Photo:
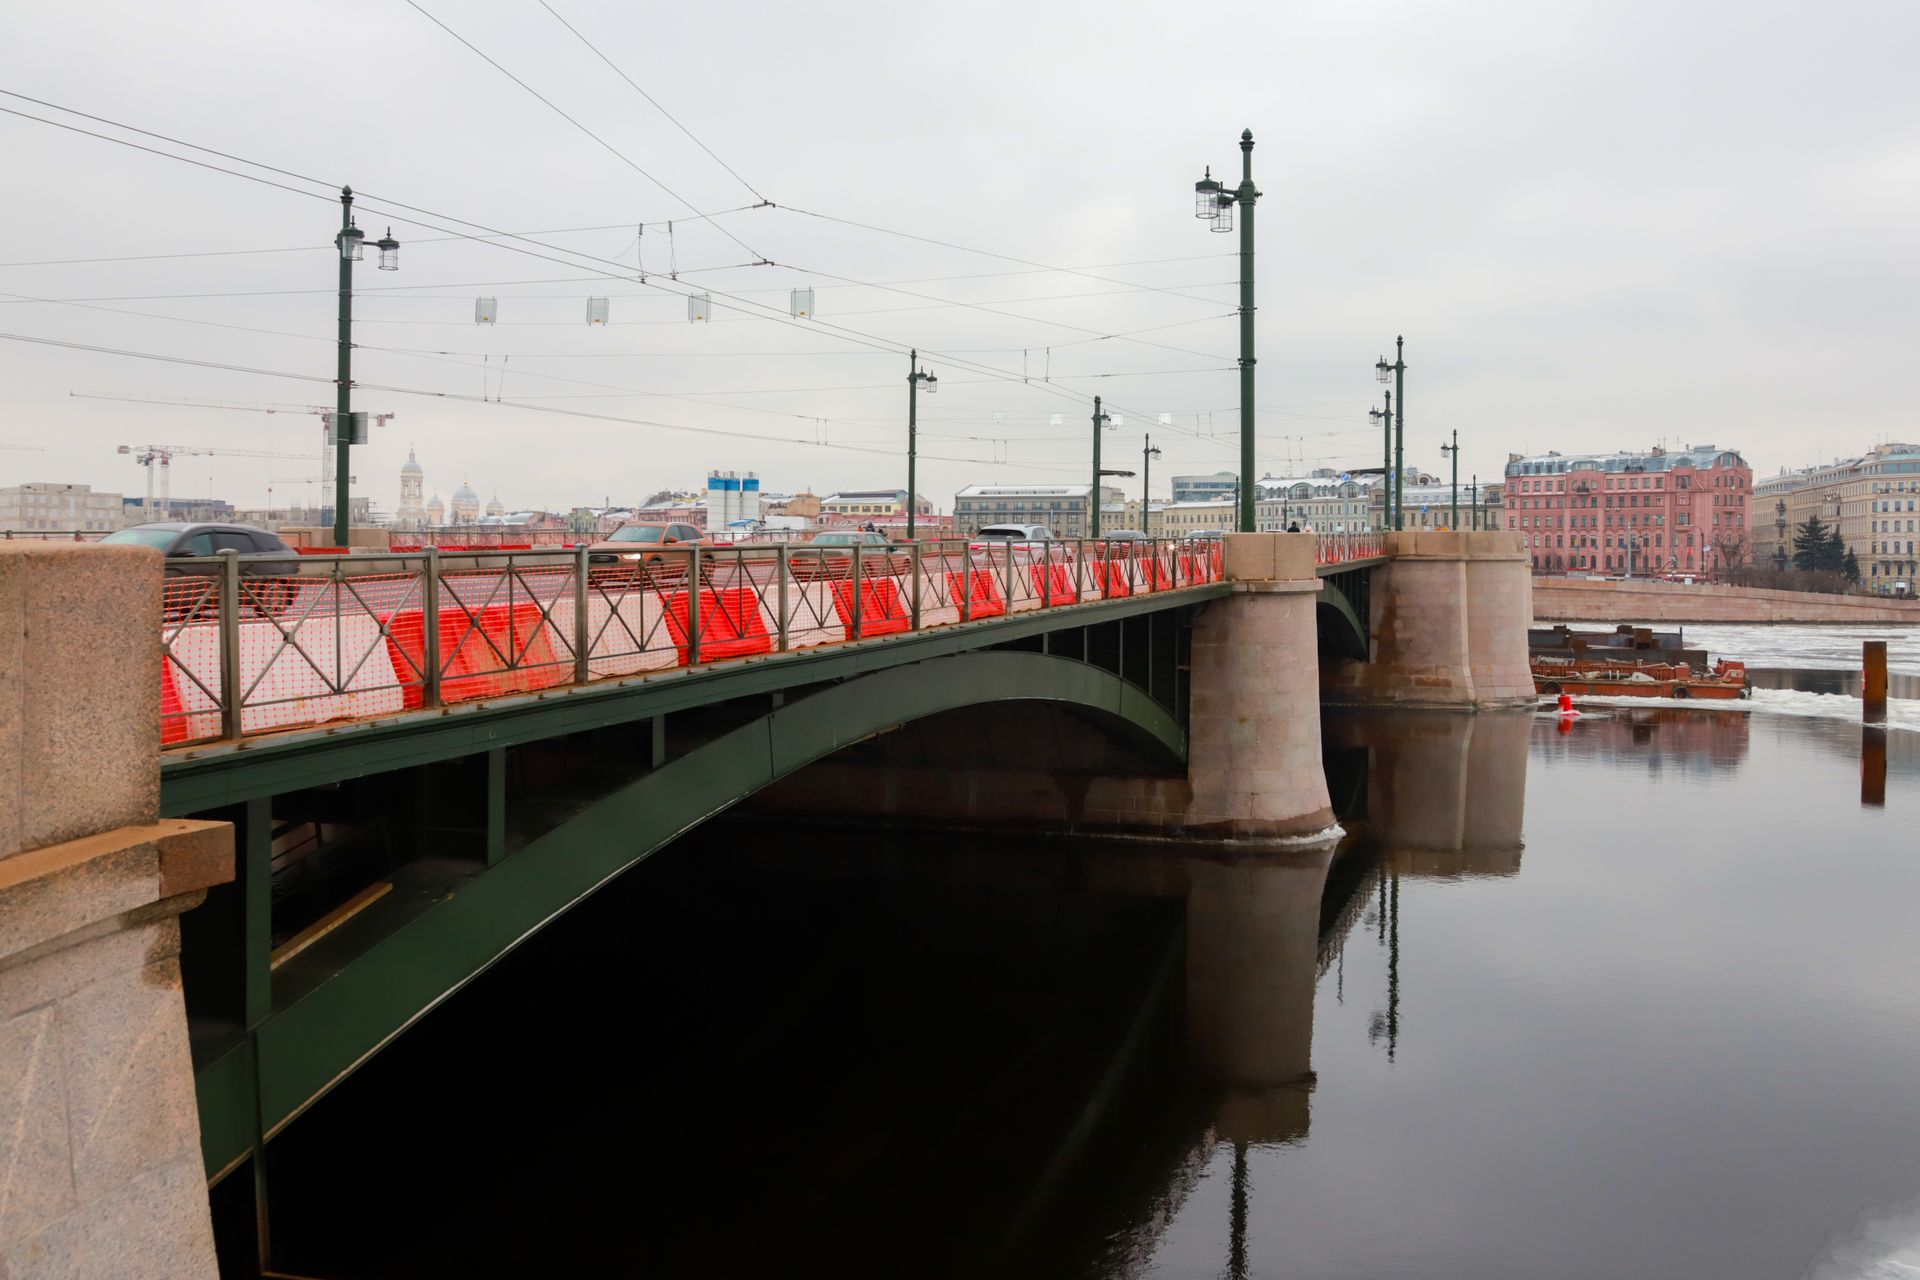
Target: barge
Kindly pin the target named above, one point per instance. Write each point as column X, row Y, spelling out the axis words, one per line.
column 1631, row 662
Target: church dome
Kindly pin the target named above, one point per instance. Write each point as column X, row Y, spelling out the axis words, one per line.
column 465, row 496
column 412, row 466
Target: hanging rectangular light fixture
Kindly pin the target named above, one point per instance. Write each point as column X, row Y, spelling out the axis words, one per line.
column 486, row 310
column 802, row 303
column 699, row 306
column 597, row 311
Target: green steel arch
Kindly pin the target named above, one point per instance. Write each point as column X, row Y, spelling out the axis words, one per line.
column 326, row 1032
column 1340, row 628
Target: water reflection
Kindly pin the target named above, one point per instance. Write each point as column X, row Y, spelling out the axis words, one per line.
column 1253, row 933
column 1873, row 765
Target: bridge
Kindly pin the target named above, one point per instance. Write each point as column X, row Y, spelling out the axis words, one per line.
column 377, row 775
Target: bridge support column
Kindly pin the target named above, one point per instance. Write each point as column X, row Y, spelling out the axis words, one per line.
column 100, row 1167
column 1449, row 625
column 1253, row 734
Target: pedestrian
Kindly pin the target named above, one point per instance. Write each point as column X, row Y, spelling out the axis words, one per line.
column 1294, row 527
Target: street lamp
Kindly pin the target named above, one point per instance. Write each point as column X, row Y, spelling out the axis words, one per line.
column 1147, row 454
column 352, row 243
column 1385, row 418
column 1396, row 373
column 916, row 378
column 1213, row 203
column 1453, row 450
column 1100, row 421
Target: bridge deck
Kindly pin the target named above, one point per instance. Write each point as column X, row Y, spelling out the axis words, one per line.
column 401, row 641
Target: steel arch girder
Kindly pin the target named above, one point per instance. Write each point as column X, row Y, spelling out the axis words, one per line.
column 330, row 1029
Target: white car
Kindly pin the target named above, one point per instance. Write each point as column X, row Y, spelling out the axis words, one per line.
column 1026, row 539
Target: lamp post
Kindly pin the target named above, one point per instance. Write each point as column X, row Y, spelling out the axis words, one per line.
column 1147, row 454
column 351, row 242
column 1398, row 370
column 1214, row 204
column 1100, row 421
column 1453, row 450
column 916, row 376
column 1385, row 418
column 1473, row 501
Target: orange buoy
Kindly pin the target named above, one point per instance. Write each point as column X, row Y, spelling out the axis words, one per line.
column 1566, row 704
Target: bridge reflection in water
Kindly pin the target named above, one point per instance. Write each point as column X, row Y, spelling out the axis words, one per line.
column 818, row 1045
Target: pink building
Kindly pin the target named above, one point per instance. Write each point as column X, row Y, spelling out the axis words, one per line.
column 1654, row 513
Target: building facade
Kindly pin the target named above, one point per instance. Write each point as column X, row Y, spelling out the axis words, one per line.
column 1183, row 519
column 1430, row 506
column 1321, row 501
column 1221, row 486
column 1873, row 500
column 868, row 504
column 1060, row 507
column 1659, row 513
column 59, row 508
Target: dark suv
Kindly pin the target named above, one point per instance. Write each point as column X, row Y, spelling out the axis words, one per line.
column 262, row 555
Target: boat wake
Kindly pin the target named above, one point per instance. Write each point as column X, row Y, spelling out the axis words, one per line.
column 1903, row 714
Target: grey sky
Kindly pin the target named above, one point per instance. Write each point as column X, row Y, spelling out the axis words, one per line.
column 1599, row 225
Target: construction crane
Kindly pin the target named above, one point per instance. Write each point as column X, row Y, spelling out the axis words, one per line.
column 251, row 406
column 159, row 457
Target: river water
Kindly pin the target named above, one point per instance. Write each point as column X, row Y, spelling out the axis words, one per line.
column 1636, row 995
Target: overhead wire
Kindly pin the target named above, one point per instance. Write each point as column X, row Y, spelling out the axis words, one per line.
column 495, row 237
column 555, row 107
column 652, row 100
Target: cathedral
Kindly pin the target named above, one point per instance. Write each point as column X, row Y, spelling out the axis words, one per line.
column 414, row 515
column 411, row 514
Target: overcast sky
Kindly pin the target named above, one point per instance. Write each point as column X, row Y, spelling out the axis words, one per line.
column 1598, row 225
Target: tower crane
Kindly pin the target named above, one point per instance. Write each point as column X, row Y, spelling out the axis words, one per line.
column 160, row 457
column 324, row 412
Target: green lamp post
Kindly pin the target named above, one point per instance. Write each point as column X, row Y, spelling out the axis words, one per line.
column 347, row 430
column 916, row 378
column 1396, row 373
column 1214, row 204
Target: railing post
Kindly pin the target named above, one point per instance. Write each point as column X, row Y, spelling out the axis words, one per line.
column 1007, row 577
column 853, row 631
column 1080, row 570
column 693, row 606
column 582, row 632
column 230, row 691
column 430, row 628
column 914, row 609
column 783, row 565
column 966, row 581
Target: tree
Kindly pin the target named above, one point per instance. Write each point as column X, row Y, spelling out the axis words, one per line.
column 1850, row 566
column 1817, row 548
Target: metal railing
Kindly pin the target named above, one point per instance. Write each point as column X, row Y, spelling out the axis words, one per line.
column 53, row 535
column 259, row 644
column 1338, row 548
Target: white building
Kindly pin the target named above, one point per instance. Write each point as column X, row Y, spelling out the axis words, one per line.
column 1322, row 500
column 1062, row 508
column 59, row 508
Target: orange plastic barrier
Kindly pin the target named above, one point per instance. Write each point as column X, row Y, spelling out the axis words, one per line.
column 470, row 667
column 1053, row 583
column 1111, row 577
column 323, row 551
column 882, row 611
column 1153, row 574
column 986, row 599
column 173, row 720
column 730, row 624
